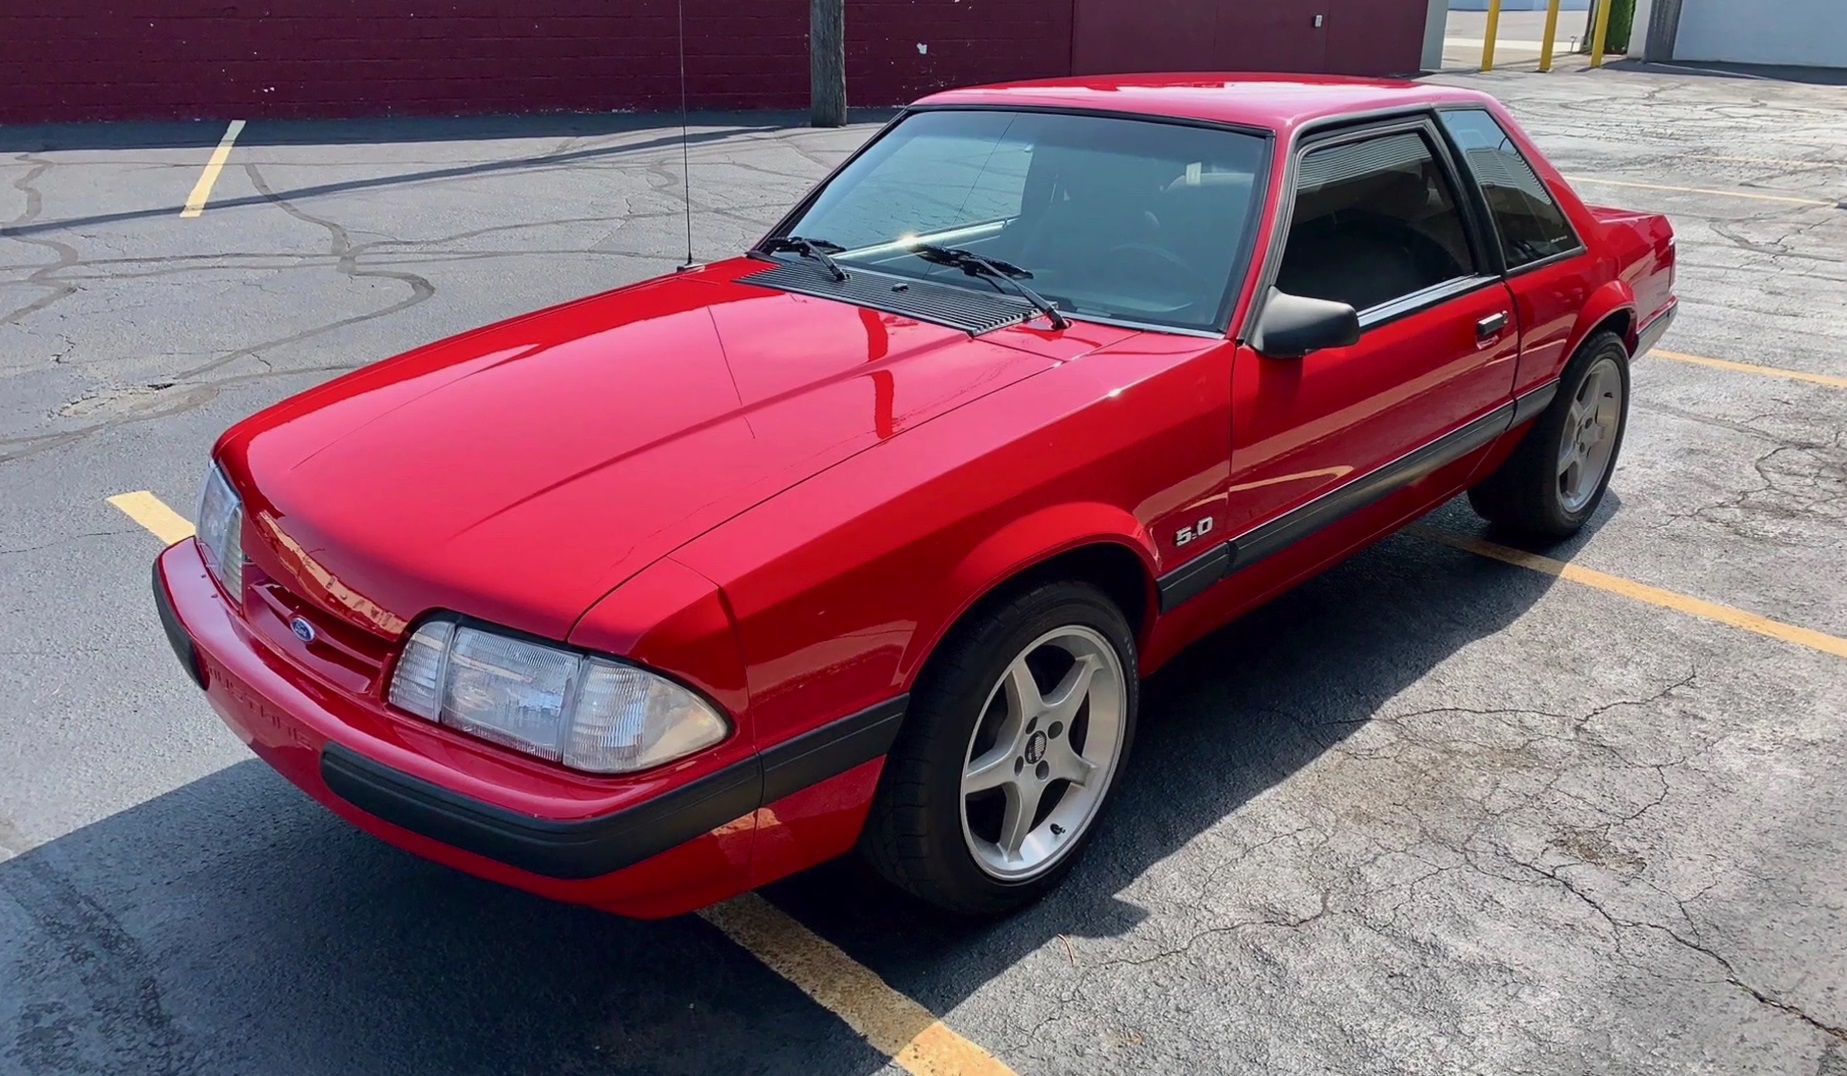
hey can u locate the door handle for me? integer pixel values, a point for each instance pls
(1490, 325)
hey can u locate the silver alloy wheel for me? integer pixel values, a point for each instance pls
(1040, 759)
(1589, 437)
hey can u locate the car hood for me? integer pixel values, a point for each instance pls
(521, 471)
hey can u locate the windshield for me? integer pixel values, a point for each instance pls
(1114, 219)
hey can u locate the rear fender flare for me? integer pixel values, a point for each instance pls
(1613, 296)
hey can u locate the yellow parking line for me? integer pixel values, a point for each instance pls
(195, 203)
(1700, 190)
(1750, 368)
(893, 1024)
(149, 511)
(1628, 588)
(1769, 160)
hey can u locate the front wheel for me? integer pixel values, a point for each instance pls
(1554, 481)
(1013, 742)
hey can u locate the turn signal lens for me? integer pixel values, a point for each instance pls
(628, 719)
(417, 686)
(221, 533)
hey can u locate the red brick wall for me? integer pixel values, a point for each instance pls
(167, 59)
(250, 59)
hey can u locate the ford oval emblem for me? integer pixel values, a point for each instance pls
(302, 629)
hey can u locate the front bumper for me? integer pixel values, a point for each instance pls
(586, 848)
(653, 844)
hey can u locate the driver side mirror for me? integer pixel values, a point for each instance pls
(1291, 326)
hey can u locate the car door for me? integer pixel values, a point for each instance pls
(1537, 245)
(1374, 219)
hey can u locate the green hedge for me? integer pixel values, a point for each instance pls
(1622, 21)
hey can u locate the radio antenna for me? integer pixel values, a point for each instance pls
(686, 171)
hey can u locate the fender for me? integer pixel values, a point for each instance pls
(1612, 296)
(1017, 547)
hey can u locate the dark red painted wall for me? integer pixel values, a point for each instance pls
(226, 59)
(157, 59)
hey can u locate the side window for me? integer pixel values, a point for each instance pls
(1530, 223)
(1375, 221)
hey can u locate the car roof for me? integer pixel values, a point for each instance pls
(1275, 102)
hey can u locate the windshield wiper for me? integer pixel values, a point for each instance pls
(994, 270)
(817, 249)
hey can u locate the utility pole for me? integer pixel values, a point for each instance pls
(827, 61)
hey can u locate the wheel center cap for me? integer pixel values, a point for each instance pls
(1035, 748)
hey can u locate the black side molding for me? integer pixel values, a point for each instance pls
(598, 846)
(1194, 577)
(176, 635)
(1529, 404)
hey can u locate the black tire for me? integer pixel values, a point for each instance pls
(914, 835)
(1524, 494)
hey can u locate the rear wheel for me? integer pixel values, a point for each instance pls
(1554, 481)
(1009, 752)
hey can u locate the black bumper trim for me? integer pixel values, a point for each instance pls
(1651, 333)
(830, 750)
(598, 846)
(176, 633)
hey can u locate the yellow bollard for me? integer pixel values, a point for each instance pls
(1487, 40)
(1545, 46)
(1602, 31)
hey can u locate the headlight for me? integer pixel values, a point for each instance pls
(221, 532)
(586, 712)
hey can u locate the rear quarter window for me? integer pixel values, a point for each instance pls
(1528, 220)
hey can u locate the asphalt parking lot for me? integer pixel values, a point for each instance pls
(1433, 812)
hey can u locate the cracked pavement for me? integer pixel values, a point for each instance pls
(1428, 813)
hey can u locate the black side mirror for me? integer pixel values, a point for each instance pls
(1291, 326)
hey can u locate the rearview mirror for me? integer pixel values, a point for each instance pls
(1291, 326)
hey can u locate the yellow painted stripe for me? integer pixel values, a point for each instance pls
(1770, 160)
(893, 1024)
(149, 511)
(1642, 592)
(195, 203)
(1750, 368)
(1701, 190)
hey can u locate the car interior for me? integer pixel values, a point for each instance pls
(1375, 237)
(1131, 237)
(1144, 230)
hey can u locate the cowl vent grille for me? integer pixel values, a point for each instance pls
(959, 308)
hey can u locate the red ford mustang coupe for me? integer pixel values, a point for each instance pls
(866, 538)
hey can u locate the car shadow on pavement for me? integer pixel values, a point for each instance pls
(179, 134)
(664, 131)
(234, 926)
(1813, 76)
(1238, 713)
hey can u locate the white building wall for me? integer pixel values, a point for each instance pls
(1810, 33)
